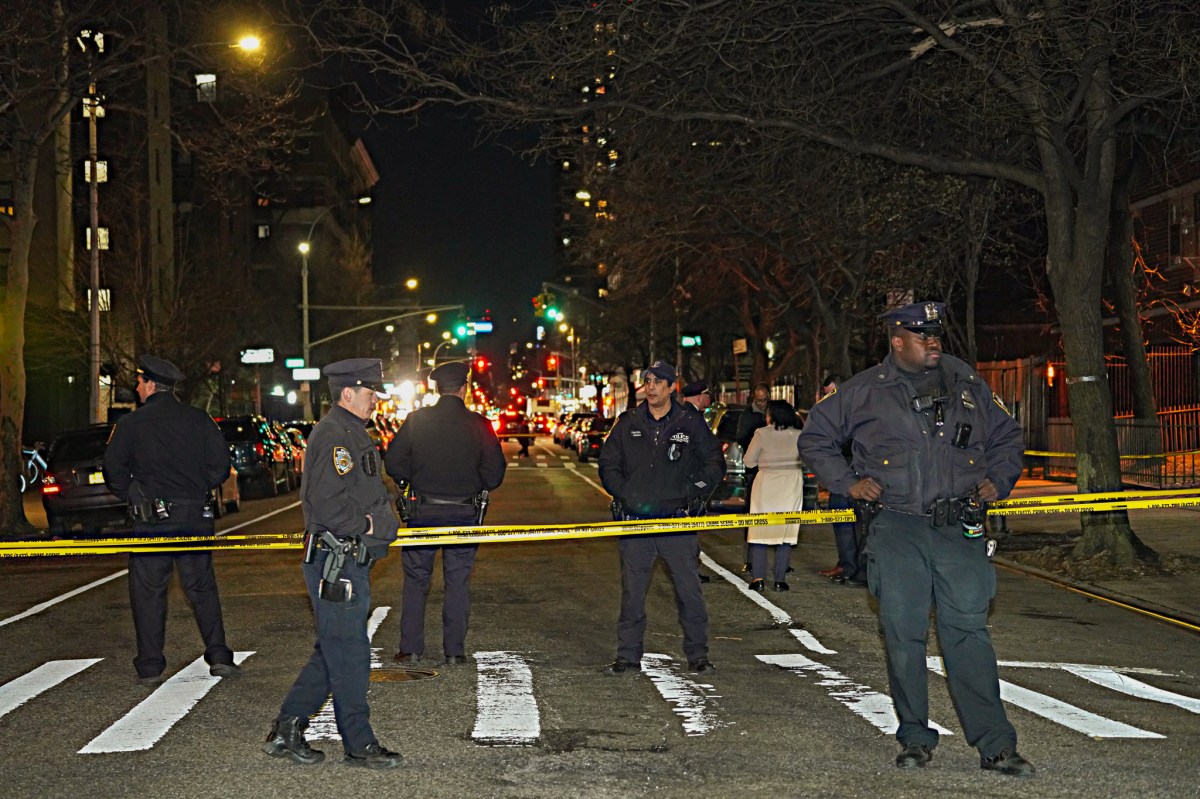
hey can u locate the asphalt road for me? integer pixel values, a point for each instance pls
(1107, 703)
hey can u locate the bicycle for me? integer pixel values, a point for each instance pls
(33, 468)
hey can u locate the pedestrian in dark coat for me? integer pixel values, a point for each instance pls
(929, 442)
(660, 461)
(164, 459)
(450, 458)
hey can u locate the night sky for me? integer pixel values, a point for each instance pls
(472, 221)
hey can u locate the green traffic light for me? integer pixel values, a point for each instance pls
(552, 312)
(461, 330)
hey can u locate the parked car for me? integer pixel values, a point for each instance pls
(258, 457)
(300, 444)
(74, 492)
(589, 440)
(292, 455)
(563, 428)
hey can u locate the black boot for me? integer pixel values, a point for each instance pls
(287, 740)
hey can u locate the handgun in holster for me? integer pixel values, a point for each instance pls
(404, 501)
(482, 499)
(617, 507)
(333, 587)
(865, 512)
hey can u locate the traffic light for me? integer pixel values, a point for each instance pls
(552, 362)
(480, 363)
(460, 329)
(538, 308)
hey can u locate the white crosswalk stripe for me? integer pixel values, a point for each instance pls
(19, 691)
(691, 701)
(507, 712)
(155, 715)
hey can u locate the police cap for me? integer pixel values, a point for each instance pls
(450, 376)
(354, 372)
(695, 389)
(661, 370)
(164, 373)
(919, 317)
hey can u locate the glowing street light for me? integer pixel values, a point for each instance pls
(411, 283)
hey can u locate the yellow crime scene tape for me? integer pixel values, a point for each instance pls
(426, 536)
(1156, 456)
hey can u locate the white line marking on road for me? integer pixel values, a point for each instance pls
(811, 643)
(1109, 678)
(691, 701)
(155, 715)
(863, 701)
(592, 483)
(540, 455)
(1043, 664)
(564, 457)
(507, 712)
(323, 726)
(542, 465)
(779, 615)
(51, 602)
(1064, 713)
(258, 519)
(19, 691)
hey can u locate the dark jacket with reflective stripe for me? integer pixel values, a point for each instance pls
(636, 466)
(913, 460)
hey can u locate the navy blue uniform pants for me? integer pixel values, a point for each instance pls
(149, 583)
(911, 567)
(679, 552)
(844, 537)
(340, 663)
(457, 562)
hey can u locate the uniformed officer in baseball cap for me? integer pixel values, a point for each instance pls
(918, 317)
(160, 371)
(352, 372)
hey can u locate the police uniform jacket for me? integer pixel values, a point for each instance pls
(446, 451)
(171, 451)
(912, 459)
(343, 482)
(637, 464)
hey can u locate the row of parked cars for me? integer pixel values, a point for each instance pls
(267, 458)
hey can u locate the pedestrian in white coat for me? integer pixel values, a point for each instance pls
(778, 488)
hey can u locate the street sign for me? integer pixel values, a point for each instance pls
(265, 355)
(739, 346)
(482, 326)
(310, 373)
(690, 340)
(294, 363)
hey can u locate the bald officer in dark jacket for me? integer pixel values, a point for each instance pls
(448, 455)
(164, 459)
(347, 510)
(660, 461)
(927, 439)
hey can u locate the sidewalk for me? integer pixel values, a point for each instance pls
(1173, 533)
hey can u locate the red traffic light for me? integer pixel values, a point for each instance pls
(551, 362)
(480, 363)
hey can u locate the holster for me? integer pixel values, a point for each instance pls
(944, 512)
(404, 501)
(482, 500)
(864, 513)
(617, 507)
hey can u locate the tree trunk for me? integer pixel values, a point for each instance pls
(12, 347)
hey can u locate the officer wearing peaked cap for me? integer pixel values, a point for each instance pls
(929, 443)
(348, 523)
(448, 457)
(163, 460)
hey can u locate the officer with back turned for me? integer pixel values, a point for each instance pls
(164, 459)
(660, 461)
(348, 523)
(930, 444)
(446, 459)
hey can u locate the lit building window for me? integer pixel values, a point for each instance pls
(264, 231)
(92, 107)
(263, 202)
(101, 171)
(206, 88)
(105, 300)
(101, 235)
(566, 242)
(6, 199)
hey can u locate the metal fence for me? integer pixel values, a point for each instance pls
(1158, 454)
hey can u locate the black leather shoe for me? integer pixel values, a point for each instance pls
(704, 578)
(781, 586)
(225, 670)
(406, 659)
(286, 740)
(756, 585)
(455, 660)
(914, 756)
(702, 666)
(373, 756)
(153, 681)
(1008, 762)
(619, 666)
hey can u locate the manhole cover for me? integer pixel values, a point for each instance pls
(401, 675)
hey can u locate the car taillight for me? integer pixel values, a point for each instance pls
(50, 485)
(258, 449)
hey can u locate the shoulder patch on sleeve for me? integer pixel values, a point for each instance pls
(996, 399)
(342, 460)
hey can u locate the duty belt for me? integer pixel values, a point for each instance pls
(424, 500)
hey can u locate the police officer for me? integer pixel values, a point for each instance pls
(697, 395)
(450, 458)
(163, 460)
(348, 522)
(929, 441)
(660, 461)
